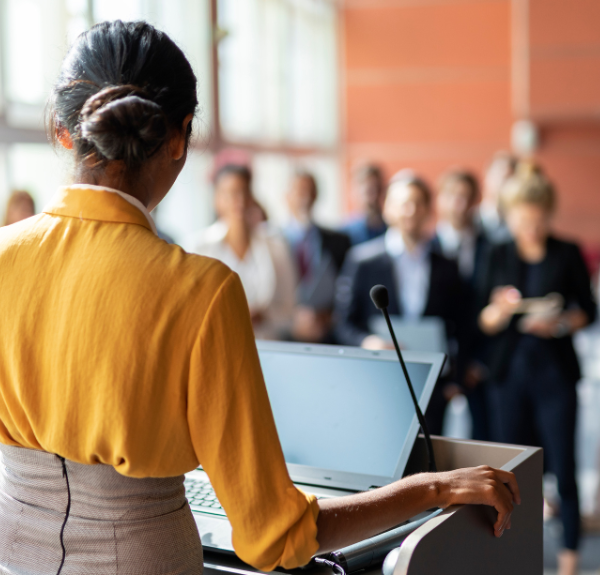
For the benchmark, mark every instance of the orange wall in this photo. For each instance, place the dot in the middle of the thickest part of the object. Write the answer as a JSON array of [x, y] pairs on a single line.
[[431, 84]]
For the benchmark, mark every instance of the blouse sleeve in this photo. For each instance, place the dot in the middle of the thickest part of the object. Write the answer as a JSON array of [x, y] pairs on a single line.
[[235, 439]]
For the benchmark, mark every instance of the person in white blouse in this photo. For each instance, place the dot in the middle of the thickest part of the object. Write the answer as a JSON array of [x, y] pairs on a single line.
[[256, 253]]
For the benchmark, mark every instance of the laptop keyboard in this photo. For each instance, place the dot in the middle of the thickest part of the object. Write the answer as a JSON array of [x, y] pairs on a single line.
[[201, 496]]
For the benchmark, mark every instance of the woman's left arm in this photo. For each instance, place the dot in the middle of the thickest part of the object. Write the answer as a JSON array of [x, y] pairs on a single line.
[[581, 287], [235, 439]]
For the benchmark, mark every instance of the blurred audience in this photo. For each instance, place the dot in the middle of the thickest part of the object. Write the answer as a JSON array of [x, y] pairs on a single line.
[[260, 257], [420, 282], [490, 217], [319, 255], [369, 190], [20, 205], [533, 366], [459, 238]]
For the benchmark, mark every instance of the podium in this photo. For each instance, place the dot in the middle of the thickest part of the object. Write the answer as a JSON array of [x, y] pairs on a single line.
[[460, 541]]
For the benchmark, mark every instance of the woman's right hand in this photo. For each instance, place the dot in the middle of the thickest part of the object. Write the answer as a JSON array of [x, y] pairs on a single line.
[[345, 520], [481, 485], [504, 302]]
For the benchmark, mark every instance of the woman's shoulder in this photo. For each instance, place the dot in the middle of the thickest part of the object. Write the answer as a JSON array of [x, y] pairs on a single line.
[[563, 245]]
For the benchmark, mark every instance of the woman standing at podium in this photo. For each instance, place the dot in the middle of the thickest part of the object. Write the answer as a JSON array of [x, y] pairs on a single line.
[[125, 362], [533, 365]]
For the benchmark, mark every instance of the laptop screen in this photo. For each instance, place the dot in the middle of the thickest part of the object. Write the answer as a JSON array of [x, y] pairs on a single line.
[[343, 413]]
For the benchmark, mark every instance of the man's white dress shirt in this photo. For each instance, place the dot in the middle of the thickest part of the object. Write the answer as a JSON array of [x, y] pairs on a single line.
[[412, 271]]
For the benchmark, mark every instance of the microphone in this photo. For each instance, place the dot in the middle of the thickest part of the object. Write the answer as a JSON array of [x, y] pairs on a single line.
[[381, 299]]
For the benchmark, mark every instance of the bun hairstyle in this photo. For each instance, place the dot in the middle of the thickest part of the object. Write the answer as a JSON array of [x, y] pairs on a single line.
[[122, 88]]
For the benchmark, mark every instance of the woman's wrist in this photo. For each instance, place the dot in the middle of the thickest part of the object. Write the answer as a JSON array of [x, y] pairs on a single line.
[[494, 319]]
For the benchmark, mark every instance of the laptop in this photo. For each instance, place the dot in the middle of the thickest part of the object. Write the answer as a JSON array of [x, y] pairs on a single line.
[[362, 440], [424, 334]]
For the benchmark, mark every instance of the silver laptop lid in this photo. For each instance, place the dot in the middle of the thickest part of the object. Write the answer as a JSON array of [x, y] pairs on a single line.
[[344, 414]]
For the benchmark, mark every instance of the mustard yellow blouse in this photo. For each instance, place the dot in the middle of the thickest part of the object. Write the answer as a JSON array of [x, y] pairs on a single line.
[[118, 348]]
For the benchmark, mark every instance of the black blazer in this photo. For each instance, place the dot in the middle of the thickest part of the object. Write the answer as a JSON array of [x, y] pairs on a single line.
[[473, 342], [564, 272], [370, 264], [482, 248]]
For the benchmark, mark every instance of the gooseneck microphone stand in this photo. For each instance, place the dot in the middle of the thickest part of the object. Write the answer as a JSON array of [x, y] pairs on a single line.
[[380, 297]]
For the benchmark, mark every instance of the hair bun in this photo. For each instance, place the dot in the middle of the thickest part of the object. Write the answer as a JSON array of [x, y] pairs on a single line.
[[123, 124]]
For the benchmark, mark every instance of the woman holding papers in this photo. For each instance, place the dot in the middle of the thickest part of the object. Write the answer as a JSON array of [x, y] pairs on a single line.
[[127, 362], [533, 366]]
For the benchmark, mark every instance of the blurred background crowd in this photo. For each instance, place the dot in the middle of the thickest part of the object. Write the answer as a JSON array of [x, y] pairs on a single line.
[[448, 149]]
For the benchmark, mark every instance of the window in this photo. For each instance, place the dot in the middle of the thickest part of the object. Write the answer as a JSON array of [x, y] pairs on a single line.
[[277, 81], [277, 94]]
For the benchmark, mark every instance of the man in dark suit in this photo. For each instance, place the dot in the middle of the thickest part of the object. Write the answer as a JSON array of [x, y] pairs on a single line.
[[459, 238], [420, 282], [319, 254]]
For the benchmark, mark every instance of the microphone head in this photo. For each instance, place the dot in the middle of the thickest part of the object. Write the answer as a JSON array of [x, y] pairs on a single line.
[[380, 297]]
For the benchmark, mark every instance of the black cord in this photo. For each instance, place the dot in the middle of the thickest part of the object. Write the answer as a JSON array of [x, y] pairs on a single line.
[[62, 530], [422, 422], [336, 567]]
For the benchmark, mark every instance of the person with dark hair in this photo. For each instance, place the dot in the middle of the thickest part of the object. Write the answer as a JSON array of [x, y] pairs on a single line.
[[421, 282], [458, 238], [533, 366], [20, 205], [127, 362], [369, 189], [319, 254], [259, 256], [489, 214]]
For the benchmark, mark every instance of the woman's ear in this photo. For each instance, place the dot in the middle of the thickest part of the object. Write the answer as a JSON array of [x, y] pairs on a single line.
[[63, 136], [178, 142]]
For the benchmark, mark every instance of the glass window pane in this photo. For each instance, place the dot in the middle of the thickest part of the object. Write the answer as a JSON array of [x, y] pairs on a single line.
[[24, 49], [188, 207], [36, 168], [33, 44], [125, 10], [278, 71]]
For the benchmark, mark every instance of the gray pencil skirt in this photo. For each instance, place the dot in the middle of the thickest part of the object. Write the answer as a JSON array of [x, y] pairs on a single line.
[[116, 524]]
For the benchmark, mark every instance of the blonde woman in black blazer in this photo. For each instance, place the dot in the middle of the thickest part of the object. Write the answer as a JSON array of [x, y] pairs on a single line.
[[533, 365]]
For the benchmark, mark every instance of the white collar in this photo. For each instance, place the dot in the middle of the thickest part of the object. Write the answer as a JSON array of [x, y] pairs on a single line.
[[451, 235], [395, 247]]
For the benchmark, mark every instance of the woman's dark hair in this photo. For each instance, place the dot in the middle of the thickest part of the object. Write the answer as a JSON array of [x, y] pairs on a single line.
[[122, 87], [238, 170]]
